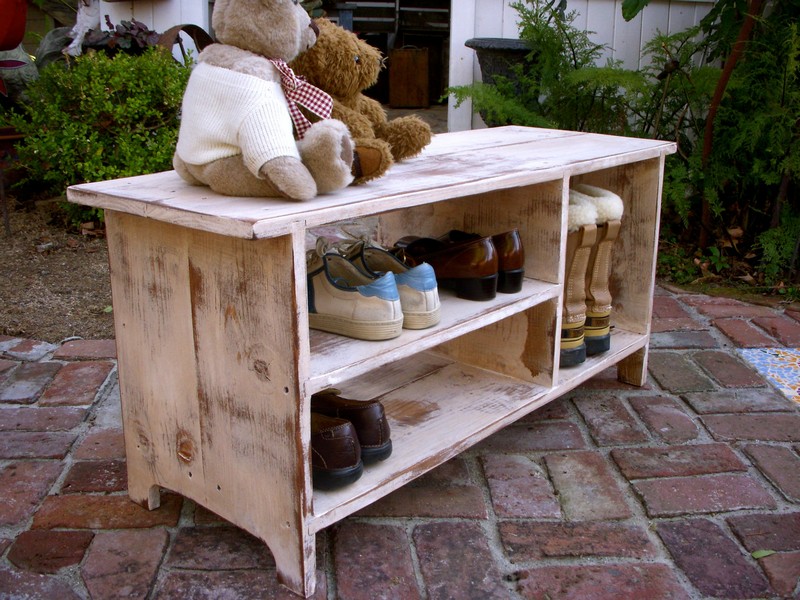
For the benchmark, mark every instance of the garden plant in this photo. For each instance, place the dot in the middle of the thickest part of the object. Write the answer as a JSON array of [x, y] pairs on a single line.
[[726, 91]]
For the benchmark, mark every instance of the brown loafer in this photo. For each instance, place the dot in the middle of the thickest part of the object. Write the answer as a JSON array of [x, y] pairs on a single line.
[[335, 452], [510, 256], [469, 268], [368, 418]]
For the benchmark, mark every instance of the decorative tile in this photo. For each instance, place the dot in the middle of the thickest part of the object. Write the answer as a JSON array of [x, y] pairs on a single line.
[[781, 366]]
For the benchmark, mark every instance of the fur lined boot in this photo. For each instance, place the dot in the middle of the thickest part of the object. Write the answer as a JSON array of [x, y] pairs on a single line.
[[581, 236], [598, 295]]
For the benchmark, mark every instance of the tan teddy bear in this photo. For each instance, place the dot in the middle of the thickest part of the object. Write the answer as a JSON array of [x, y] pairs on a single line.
[[242, 132], [344, 65]]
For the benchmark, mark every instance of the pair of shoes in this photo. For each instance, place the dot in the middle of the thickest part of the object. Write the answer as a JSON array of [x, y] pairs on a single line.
[[419, 293], [345, 435], [475, 266], [367, 293], [594, 220]]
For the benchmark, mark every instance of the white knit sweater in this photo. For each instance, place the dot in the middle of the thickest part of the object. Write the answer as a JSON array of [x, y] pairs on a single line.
[[226, 113]]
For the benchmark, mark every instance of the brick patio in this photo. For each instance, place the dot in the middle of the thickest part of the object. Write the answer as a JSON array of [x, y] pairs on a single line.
[[611, 492]]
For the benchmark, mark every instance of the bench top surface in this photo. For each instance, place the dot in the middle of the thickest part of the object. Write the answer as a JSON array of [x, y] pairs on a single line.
[[453, 165]]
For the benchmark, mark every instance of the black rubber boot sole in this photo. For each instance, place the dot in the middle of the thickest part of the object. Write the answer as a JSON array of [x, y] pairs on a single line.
[[573, 356]]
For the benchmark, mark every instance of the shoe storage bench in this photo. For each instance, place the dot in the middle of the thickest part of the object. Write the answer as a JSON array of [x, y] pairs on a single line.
[[217, 363]]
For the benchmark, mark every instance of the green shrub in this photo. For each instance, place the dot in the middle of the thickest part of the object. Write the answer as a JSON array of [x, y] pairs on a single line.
[[101, 118]]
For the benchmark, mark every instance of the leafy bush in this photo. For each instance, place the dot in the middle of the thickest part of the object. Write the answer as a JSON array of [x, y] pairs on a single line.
[[101, 118], [736, 126]]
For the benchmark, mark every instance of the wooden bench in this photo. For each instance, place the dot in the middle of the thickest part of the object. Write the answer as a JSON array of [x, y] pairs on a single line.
[[217, 363]]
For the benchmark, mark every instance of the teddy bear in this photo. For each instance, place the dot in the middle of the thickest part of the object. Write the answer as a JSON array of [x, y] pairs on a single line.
[[344, 65], [243, 131]]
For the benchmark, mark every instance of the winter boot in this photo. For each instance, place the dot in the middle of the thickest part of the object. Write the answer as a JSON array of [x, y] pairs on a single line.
[[581, 236], [598, 296]]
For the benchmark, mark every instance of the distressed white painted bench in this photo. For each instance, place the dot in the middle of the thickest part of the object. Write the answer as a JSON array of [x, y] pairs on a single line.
[[217, 364]]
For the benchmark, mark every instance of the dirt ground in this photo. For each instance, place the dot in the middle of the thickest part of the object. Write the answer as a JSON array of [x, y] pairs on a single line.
[[54, 285]]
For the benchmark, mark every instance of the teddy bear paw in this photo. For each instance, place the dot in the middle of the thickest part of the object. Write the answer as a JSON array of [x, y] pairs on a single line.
[[406, 135], [327, 152], [371, 159]]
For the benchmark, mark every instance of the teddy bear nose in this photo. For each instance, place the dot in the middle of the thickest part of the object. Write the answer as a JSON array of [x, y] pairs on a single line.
[[314, 28]]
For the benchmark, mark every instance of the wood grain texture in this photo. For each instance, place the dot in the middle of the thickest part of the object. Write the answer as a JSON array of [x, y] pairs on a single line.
[[217, 364]]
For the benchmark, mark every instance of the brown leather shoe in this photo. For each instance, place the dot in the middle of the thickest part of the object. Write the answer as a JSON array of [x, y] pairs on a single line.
[[469, 268], [335, 452], [368, 418], [510, 256]]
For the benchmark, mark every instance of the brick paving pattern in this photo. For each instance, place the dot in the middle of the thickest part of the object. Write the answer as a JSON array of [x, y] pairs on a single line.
[[688, 487]]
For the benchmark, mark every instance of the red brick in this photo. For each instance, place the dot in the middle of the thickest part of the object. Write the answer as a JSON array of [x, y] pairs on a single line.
[[35, 444], [784, 329], [373, 561], [101, 444], [683, 340], [432, 501], [123, 564], [702, 494], [22, 487], [665, 418], [728, 370], [743, 334], [666, 307], [105, 512], [679, 324], [27, 382], [601, 582], [739, 401], [218, 549], [203, 516], [16, 584], [783, 571], [726, 307], [86, 350], [41, 419], [780, 465], [585, 486], [676, 461], [30, 350], [247, 584], [456, 561], [44, 551], [7, 365], [761, 427], [676, 373], [711, 560], [534, 540], [779, 532], [533, 437], [557, 409], [96, 476], [76, 384], [519, 488], [609, 421], [607, 379]]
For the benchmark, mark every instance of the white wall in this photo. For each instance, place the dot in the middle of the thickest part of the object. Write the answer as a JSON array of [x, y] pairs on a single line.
[[495, 18]]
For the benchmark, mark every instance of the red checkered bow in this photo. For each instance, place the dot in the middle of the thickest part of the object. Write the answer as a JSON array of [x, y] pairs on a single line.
[[301, 93]]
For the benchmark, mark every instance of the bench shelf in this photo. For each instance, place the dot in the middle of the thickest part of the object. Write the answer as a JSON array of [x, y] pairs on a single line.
[[217, 364]]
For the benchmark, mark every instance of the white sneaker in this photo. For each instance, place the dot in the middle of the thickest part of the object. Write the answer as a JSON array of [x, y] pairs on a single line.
[[343, 299], [419, 294]]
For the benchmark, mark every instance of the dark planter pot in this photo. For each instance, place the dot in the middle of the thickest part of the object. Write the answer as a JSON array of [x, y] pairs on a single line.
[[12, 25], [498, 56]]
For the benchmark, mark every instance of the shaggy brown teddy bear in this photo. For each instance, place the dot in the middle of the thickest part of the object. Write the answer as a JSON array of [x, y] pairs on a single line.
[[242, 133], [344, 65]]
